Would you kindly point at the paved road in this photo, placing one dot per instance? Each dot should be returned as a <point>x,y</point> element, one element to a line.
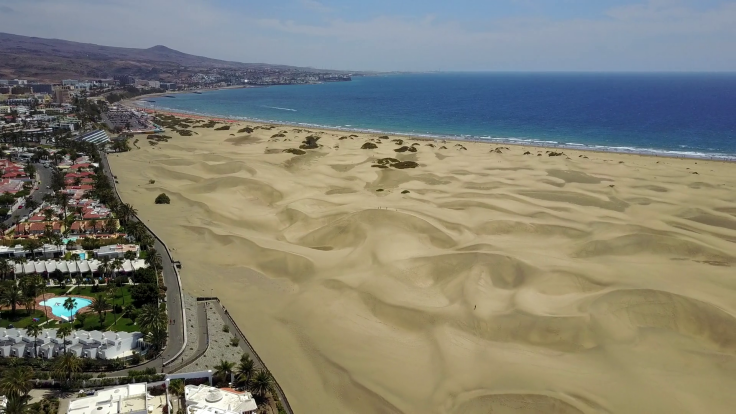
<point>45,180</point>
<point>202,341</point>
<point>173,293</point>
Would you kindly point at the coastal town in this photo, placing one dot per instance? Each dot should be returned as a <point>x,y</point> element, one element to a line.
<point>92,314</point>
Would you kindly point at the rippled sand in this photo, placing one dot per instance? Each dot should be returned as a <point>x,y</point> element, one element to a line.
<point>500,283</point>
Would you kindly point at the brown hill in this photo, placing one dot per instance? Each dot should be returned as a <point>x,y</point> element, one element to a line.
<point>55,59</point>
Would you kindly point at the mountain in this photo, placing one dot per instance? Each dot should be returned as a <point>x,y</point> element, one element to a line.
<point>54,59</point>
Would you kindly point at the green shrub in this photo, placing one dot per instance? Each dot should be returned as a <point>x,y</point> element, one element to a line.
<point>163,199</point>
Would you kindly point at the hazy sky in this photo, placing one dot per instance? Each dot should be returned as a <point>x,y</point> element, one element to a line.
<point>530,35</point>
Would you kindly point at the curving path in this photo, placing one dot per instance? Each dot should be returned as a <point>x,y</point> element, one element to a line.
<point>174,297</point>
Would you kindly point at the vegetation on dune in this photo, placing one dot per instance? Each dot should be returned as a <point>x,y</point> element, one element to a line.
<point>393,162</point>
<point>163,199</point>
<point>405,149</point>
<point>247,130</point>
<point>310,142</point>
<point>223,128</point>
<point>369,145</point>
<point>295,151</point>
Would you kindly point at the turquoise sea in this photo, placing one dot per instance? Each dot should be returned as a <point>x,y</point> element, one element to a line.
<point>674,114</point>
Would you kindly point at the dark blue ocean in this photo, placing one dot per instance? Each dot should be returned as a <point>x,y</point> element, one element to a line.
<point>675,114</point>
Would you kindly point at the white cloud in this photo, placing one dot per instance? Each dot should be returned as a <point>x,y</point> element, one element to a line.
<point>316,6</point>
<point>655,35</point>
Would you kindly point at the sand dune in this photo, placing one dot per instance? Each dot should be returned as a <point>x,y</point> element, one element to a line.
<point>477,282</point>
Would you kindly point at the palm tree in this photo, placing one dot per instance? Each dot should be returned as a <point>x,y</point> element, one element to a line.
<point>104,267</point>
<point>11,295</point>
<point>114,289</point>
<point>245,370</point>
<point>5,268</point>
<point>129,255</point>
<point>22,262</point>
<point>64,331</point>
<point>153,321</point>
<point>16,405</point>
<point>262,383</point>
<point>66,366</point>
<point>126,211</point>
<point>224,369</point>
<point>31,286</point>
<point>100,305</point>
<point>33,245</point>
<point>75,258</point>
<point>154,260</point>
<point>34,330</point>
<point>176,387</point>
<point>16,382</point>
<point>117,265</point>
<point>69,304</point>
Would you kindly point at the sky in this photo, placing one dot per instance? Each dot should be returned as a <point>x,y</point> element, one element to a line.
<point>405,35</point>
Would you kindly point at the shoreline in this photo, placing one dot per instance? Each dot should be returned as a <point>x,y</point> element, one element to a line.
<point>492,141</point>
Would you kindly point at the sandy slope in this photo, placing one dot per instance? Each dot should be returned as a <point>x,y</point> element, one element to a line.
<point>501,283</point>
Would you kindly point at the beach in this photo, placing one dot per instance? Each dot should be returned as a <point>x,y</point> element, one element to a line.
<point>455,277</point>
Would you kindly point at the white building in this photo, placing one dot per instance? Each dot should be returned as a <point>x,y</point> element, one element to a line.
<point>72,266</point>
<point>116,250</point>
<point>47,251</point>
<point>84,344</point>
<point>128,399</point>
<point>204,399</point>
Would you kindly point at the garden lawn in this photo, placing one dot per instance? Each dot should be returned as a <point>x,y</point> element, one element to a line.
<point>21,319</point>
<point>92,323</point>
<point>58,291</point>
<point>123,299</point>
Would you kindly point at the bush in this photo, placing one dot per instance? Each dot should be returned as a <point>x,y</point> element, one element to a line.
<point>163,199</point>
<point>310,142</point>
<point>225,328</point>
<point>369,145</point>
<point>234,341</point>
<point>118,309</point>
<point>223,128</point>
<point>143,294</point>
<point>151,181</point>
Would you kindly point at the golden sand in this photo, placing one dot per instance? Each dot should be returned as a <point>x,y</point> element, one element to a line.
<point>500,283</point>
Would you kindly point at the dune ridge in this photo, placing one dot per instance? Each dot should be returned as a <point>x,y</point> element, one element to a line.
<point>475,282</point>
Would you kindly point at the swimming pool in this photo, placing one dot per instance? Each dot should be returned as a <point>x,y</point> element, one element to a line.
<point>57,305</point>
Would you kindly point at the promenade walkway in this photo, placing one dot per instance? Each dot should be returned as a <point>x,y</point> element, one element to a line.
<point>174,299</point>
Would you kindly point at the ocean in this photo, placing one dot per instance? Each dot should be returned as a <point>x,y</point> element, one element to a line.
<point>691,115</point>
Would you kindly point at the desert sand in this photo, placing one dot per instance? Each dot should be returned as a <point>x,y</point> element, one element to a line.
<point>499,283</point>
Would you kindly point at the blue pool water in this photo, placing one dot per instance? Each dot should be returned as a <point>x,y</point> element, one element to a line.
<point>673,114</point>
<point>57,306</point>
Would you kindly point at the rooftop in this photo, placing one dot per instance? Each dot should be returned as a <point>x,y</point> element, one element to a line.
<point>204,399</point>
<point>116,400</point>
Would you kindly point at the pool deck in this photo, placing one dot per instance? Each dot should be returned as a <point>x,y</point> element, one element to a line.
<point>47,309</point>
